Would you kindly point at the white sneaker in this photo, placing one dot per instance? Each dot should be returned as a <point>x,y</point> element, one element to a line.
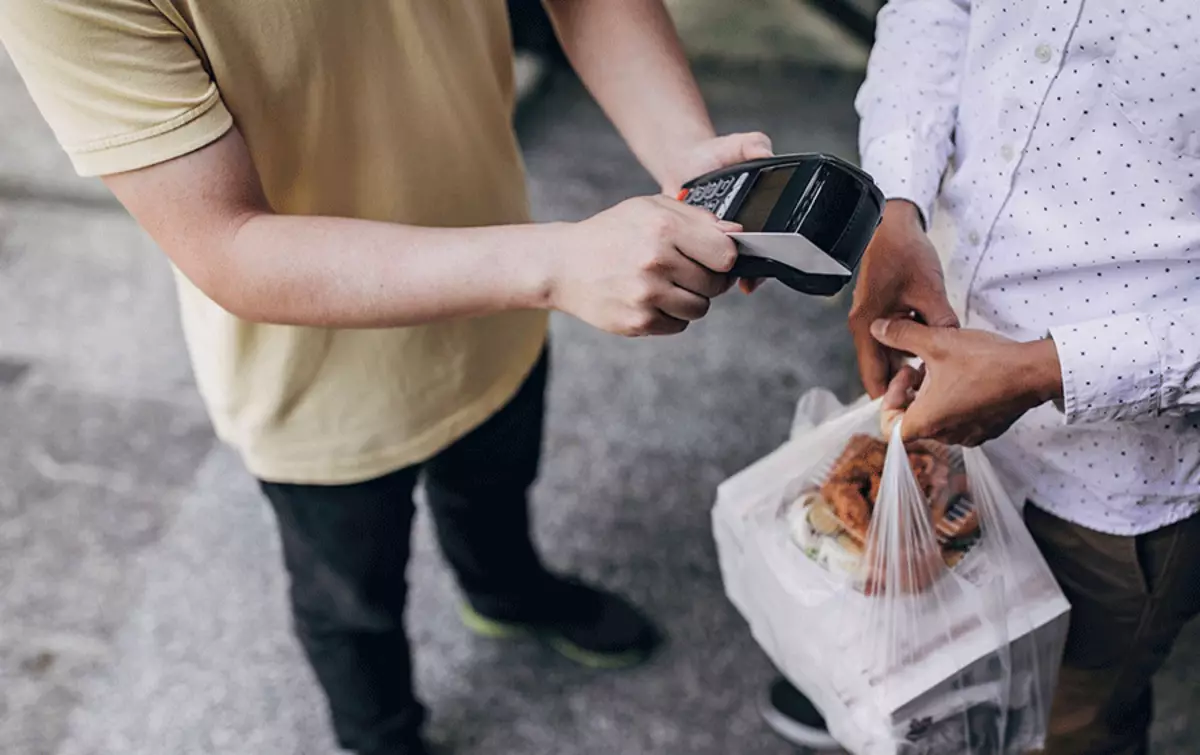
<point>794,718</point>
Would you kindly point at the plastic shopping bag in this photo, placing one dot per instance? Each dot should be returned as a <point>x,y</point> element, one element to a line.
<point>896,586</point>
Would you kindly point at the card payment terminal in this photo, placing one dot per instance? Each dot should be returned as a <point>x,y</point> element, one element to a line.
<point>806,219</point>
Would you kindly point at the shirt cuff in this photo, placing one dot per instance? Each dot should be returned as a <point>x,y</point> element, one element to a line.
<point>1110,369</point>
<point>905,166</point>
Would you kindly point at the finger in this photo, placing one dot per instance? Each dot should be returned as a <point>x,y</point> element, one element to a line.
<point>687,210</point>
<point>935,310</point>
<point>694,214</point>
<point>981,432</point>
<point>683,305</point>
<point>896,361</point>
<point>698,235</point>
<point>736,148</point>
<point>706,244</point>
<point>665,325</point>
<point>888,419</point>
<point>973,440</point>
<point>901,389</point>
<point>697,279</point>
<point>914,426</point>
<point>874,366</point>
<point>904,335</point>
<point>953,436</point>
<point>899,395</point>
<point>924,420</point>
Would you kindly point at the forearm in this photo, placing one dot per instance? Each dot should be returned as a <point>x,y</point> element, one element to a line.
<point>647,266</point>
<point>628,55</point>
<point>345,273</point>
<point>207,211</point>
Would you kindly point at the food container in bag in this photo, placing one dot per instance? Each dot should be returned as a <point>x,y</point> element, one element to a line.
<point>903,644</point>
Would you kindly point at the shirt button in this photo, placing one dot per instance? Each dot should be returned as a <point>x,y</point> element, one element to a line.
<point>973,237</point>
<point>1007,152</point>
<point>1043,53</point>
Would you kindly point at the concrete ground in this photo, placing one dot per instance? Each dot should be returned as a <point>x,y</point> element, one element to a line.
<point>141,598</point>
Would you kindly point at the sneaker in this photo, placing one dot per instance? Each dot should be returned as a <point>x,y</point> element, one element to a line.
<point>592,627</point>
<point>794,718</point>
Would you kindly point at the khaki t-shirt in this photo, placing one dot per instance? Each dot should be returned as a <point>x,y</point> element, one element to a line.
<point>395,110</point>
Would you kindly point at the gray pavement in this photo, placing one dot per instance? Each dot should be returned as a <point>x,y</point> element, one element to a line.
<point>755,31</point>
<point>141,598</point>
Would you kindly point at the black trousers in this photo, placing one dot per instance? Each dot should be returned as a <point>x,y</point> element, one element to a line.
<point>346,549</point>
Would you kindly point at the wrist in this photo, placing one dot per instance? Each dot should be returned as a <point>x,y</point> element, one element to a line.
<point>903,212</point>
<point>671,164</point>
<point>1040,365</point>
<point>542,281</point>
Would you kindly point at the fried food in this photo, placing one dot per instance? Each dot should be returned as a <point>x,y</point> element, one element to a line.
<point>853,483</point>
<point>832,522</point>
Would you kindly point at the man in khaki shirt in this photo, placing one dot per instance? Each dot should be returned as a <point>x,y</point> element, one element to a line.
<point>364,298</point>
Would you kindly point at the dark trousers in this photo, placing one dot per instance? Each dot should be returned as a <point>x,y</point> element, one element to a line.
<point>1130,597</point>
<point>346,548</point>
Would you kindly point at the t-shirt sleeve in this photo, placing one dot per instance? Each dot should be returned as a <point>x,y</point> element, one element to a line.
<point>121,86</point>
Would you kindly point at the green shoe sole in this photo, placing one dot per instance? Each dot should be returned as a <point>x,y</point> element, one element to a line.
<point>501,630</point>
<point>490,628</point>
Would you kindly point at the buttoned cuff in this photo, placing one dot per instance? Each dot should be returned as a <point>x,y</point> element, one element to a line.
<point>905,166</point>
<point>1110,369</point>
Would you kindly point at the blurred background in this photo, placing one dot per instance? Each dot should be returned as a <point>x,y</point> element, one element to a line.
<point>141,597</point>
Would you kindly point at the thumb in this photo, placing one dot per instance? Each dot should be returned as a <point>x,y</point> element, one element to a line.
<point>736,148</point>
<point>904,335</point>
<point>915,424</point>
<point>936,312</point>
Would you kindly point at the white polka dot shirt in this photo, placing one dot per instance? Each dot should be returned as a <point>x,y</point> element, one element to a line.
<point>1073,127</point>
